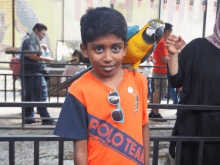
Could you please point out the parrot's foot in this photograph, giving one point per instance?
(129, 68)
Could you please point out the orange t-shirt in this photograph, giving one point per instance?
(160, 51)
(86, 114)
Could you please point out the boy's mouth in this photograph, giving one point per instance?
(107, 68)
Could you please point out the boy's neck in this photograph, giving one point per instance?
(112, 82)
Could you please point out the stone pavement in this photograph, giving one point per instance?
(49, 150)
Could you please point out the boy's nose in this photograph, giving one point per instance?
(108, 56)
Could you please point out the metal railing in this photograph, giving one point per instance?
(58, 78)
(155, 139)
(150, 106)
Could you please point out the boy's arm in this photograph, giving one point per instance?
(146, 143)
(80, 152)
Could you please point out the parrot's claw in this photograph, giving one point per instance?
(129, 68)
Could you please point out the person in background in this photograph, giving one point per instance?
(71, 70)
(196, 69)
(161, 57)
(35, 86)
(147, 71)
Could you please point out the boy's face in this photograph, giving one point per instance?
(105, 54)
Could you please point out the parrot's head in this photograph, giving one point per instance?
(154, 32)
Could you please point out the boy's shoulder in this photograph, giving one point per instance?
(139, 77)
(83, 82)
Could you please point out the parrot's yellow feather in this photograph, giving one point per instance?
(137, 49)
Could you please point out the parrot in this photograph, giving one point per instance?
(140, 46)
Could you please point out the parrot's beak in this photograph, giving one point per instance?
(153, 33)
(158, 33)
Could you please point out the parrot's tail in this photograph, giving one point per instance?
(68, 82)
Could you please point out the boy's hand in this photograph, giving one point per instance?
(174, 43)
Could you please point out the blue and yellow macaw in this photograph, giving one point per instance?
(140, 45)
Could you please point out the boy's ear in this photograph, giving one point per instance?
(125, 48)
(84, 51)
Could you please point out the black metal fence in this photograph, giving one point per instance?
(154, 139)
(55, 80)
(43, 104)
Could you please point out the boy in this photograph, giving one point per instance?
(105, 110)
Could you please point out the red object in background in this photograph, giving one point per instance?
(191, 3)
(89, 3)
(164, 4)
(151, 3)
(15, 67)
(138, 3)
(177, 4)
(126, 2)
(204, 5)
(113, 1)
(77, 10)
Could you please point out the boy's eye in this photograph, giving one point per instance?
(116, 48)
(99, 49)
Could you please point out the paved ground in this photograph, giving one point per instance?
(49, 150)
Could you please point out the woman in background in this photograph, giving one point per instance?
(71, 70)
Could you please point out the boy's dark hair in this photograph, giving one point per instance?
(78, 53)
(168, 26)
(102, 21)
(39, 27)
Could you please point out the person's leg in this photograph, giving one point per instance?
(41, 95)
(29, 111)
(173, 94)
(156, 100)
(156, 94)
(160, 89)
(149, 89)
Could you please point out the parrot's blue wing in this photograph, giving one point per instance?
(68, 82)
(149, 54)
(132, 30)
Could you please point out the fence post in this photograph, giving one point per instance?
(11, 153)
(22, 87)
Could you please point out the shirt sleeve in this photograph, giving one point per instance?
(72, 122)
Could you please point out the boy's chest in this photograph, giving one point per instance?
(99, 106)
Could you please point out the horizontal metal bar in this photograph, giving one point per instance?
(52, 127)
(28, 118)
(33, 138)
(150, 105)
(185, 138)
(17, 52)
(57, 138)
(43, 127)
(30, 104)
(52, 75)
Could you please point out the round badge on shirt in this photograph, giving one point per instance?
(130, 89)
